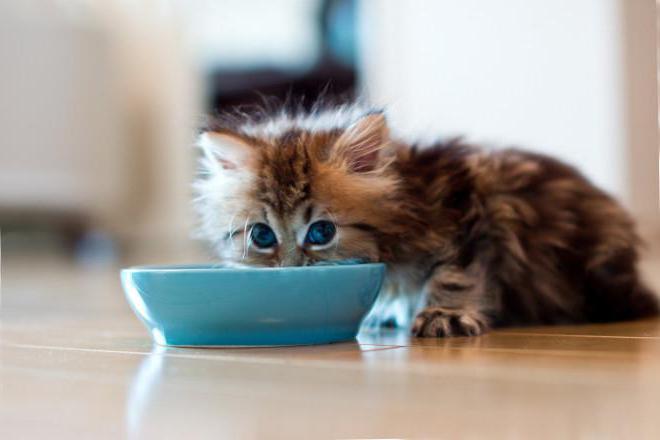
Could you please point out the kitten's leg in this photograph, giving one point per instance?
(456, 303)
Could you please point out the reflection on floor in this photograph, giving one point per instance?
(74, 362)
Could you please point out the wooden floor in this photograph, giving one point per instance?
(75, 363)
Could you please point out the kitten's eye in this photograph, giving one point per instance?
(321, 232)
(263, 236)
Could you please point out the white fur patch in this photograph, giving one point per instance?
(316, 121)
(220, 196)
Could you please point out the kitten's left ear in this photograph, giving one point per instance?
(360, 145)
(228, 150)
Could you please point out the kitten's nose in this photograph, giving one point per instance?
(292, 259)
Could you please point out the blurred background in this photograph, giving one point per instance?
(100, 100)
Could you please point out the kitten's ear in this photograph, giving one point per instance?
(360, 144)
(230, 151)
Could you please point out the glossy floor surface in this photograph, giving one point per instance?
(75, 363)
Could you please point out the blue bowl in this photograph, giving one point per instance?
(210, 306)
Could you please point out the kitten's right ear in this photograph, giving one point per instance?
(230, 151)
(360, 145)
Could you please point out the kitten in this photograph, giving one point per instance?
(490, 238)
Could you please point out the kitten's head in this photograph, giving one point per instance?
(294, 189)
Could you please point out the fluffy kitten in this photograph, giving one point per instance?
(490, 238)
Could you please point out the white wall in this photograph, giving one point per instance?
(573, 78)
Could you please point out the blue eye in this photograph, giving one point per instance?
(321, 232)
(263, 236)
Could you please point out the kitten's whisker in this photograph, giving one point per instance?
(231, 232)
(245, 235)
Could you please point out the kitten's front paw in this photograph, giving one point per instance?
(440, 322)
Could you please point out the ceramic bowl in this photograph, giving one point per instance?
(202, 305)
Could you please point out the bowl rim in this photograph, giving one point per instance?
(208, 268)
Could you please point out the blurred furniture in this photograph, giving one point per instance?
(332, 74)
(96, 119)
(60, 123)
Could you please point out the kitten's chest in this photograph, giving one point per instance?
(405, 279)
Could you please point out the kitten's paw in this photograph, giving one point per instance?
(440, 322)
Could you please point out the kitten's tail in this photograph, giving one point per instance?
(621, 299)
(642, 302)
